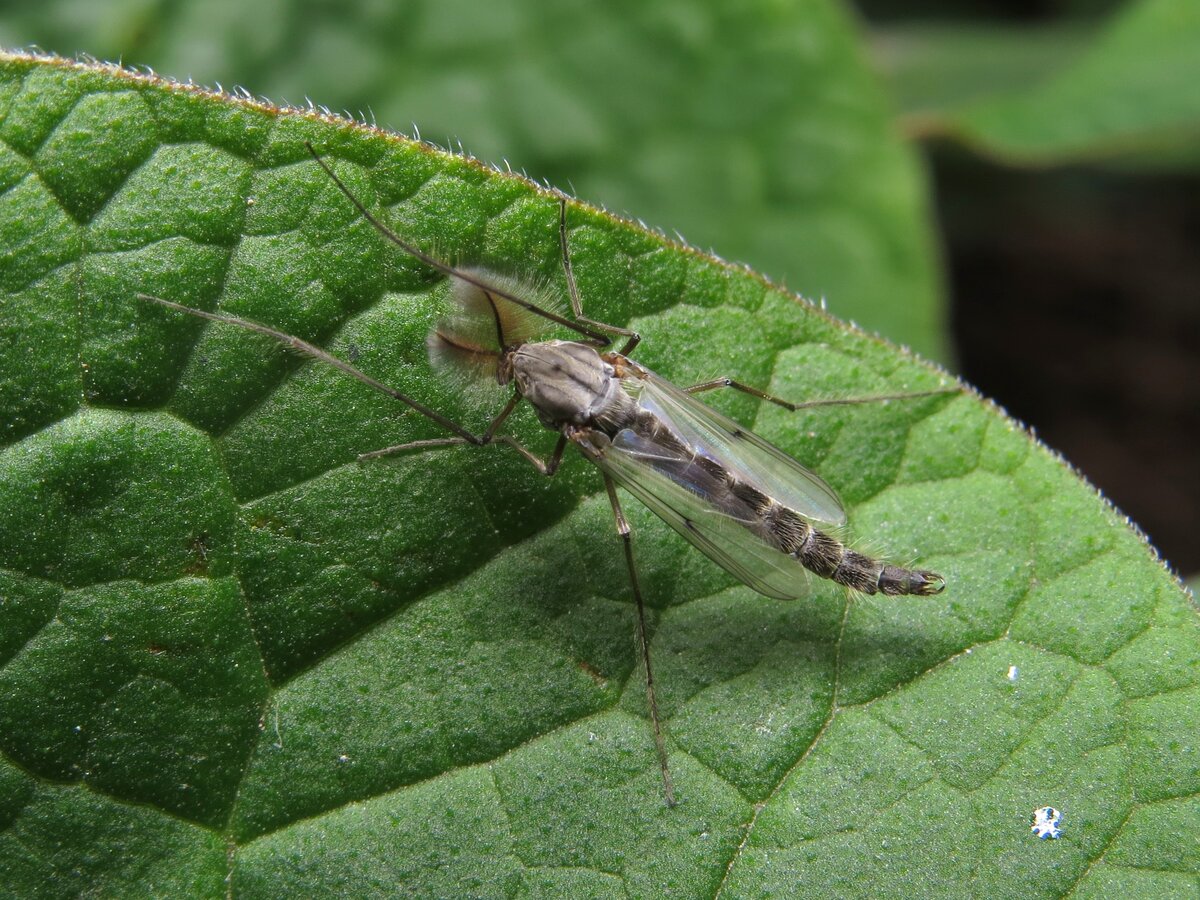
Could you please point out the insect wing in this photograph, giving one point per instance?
(753, 460)
(639, 465)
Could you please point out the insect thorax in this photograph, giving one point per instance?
(568, 383)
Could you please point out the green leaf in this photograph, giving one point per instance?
(938, 68)
(233, 658)
(1130, 94)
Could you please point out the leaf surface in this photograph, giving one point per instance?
(230, 655)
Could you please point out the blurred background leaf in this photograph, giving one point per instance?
(1123, 92)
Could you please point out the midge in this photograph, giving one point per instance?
(744, 503)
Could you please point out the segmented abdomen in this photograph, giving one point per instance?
(775, 524)
(828, 557)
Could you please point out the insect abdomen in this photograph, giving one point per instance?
(828, 557)
(776, 524)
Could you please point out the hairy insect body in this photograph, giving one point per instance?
(600, 403)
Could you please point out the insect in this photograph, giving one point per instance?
(742, 502)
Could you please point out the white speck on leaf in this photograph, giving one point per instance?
(1045, 823)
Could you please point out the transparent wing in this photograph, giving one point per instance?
(744, 453)
(640, 466)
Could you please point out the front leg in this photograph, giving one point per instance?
(546, 466)
(632, 338)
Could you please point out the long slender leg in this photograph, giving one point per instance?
(626, 539)
(446, 268)
(546, 466)
(313, 352)
(488, 435)
(632, 337)
(809, 404)
(495, 424)
(463, 436)
(413, 445)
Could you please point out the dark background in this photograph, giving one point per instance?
(1075, 298)
(1075, 305)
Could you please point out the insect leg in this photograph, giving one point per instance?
(632, 337)
(413, 445)
(547, 467)
(809, 404)
(593, 336)
(304, 348)
(490, 431)
(624, 531)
